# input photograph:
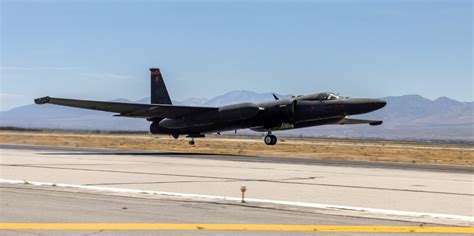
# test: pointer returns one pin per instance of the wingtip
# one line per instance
(42, 100)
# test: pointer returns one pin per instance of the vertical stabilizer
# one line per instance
(159, 94)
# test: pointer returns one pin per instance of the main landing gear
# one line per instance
(191, 142)
(270, 139)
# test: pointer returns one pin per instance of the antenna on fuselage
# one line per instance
(275, 96)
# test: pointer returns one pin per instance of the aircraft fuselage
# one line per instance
(297, 112)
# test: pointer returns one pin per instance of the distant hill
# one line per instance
(405, 117)
(414, 117)
(241, 96)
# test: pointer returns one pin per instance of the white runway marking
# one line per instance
(469, 220)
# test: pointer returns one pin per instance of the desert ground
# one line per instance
(312, 148)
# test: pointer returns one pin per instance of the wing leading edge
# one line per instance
(134, 110)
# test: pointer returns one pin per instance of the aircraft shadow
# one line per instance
(286, 160)
(139, 154)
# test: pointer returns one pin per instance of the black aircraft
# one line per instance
(279, 114)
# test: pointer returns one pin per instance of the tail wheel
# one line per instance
(191, 142)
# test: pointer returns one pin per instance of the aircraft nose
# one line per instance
(378, 103)
(363, 105)
(374, 104)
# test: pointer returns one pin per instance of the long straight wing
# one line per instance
(129, 109)
(348, 121)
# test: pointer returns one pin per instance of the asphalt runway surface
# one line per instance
(402, 187)
(45, 205)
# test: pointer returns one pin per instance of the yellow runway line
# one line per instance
(236, 227)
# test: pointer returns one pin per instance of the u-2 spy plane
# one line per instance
(278, 114)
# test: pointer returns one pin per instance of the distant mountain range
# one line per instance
(405, 117)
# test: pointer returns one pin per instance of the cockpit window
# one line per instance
(319, 97)
(326, 96)
(332, 96)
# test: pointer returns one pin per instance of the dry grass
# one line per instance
(302, 148)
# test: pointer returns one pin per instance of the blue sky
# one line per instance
(103, 49)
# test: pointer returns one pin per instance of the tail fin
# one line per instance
(159, 94)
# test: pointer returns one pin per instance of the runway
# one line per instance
(417, 188)
(45, 205)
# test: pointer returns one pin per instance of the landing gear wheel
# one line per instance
(191, 142)
(274, 141)
(270, 139)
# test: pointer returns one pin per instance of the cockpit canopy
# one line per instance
(332, 96)
(319, 97)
